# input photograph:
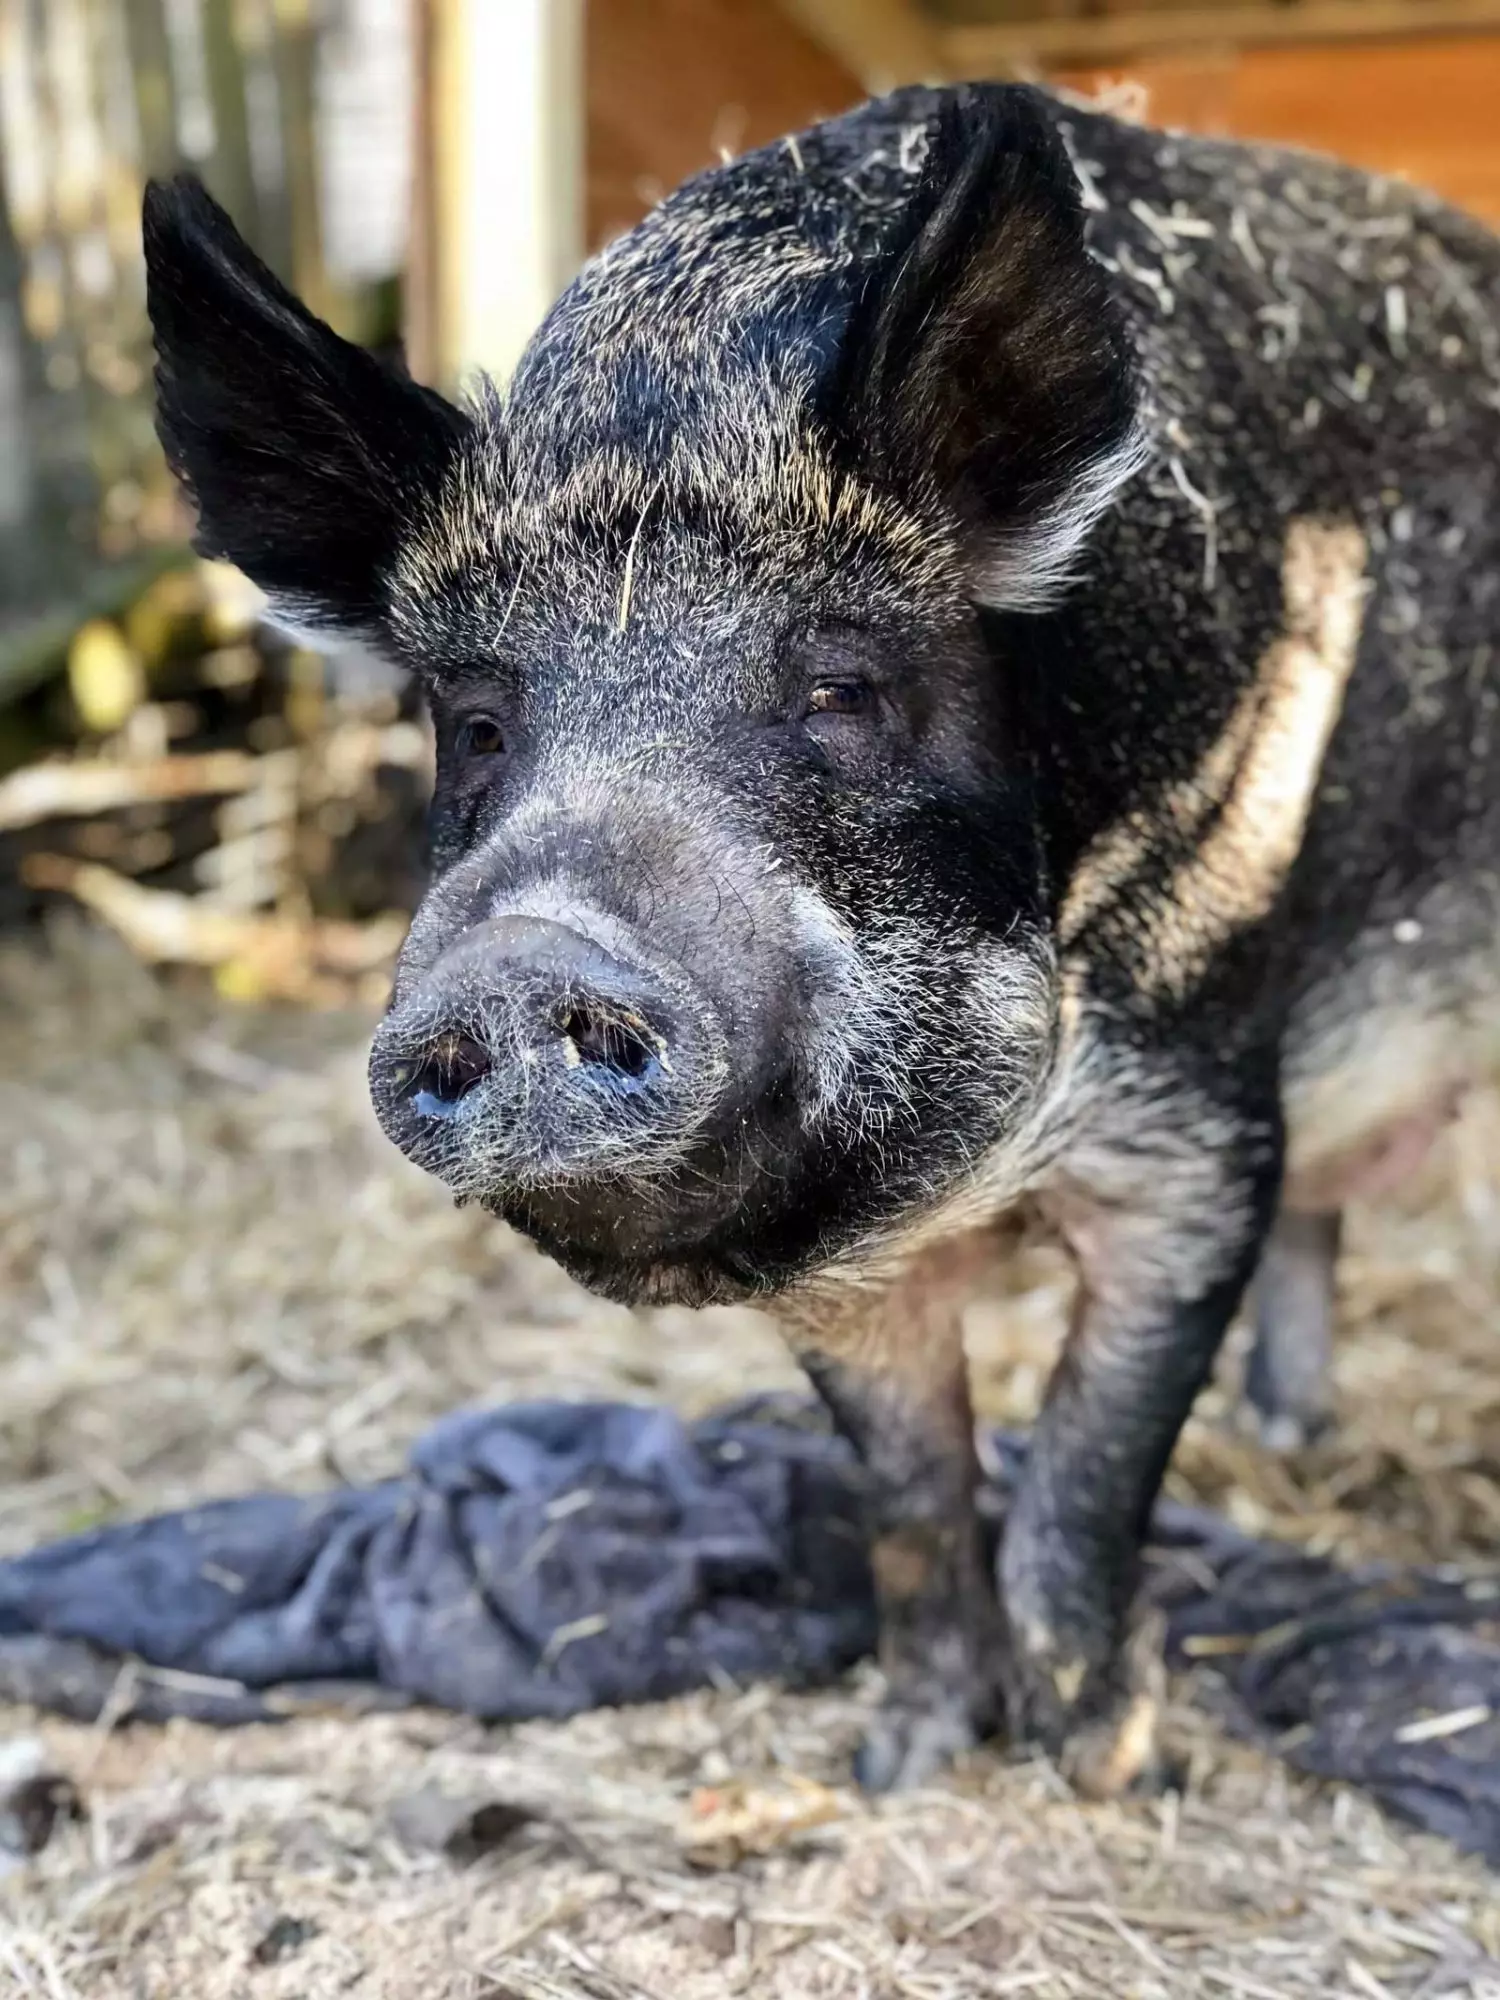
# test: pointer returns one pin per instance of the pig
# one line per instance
(963, 668)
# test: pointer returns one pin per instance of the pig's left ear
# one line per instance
(992, 364)
(307, 458)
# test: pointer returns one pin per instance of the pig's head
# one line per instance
(737, 945)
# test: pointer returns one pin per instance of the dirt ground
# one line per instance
(214, 1274)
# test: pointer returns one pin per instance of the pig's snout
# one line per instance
(531, 1053)
(561, 997)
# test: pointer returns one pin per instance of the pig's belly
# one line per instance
(1363, 1104)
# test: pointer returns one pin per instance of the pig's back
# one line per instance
(1319, 346)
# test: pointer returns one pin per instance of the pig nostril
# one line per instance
(450, 1071)
(609, 1039)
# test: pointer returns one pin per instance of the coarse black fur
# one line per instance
(250, 386)
(964, 669)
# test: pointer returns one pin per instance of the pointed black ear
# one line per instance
(307, 458)
(991, 366)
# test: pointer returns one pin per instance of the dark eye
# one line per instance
(841, 698)
(481, 736)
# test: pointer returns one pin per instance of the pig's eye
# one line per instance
(841, 698)
(481, 736)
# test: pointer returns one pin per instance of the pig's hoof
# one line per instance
(1098, 1722)
(1118, 1754)
(908, 1746)
(1286, 1432)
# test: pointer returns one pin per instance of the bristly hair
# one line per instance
(889, 335)
(891, 331)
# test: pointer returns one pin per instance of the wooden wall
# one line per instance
(1426, 107)
(671, 82)
(674, 83)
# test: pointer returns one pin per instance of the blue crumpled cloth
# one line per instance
(538, 1560)
(546, 1558)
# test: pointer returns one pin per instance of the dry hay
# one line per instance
(214, 1275)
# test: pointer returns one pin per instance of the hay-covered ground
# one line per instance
(214, 1274)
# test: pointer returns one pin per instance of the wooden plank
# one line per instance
(1012, 47)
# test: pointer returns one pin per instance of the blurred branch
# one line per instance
(271, 957)
(56, 791)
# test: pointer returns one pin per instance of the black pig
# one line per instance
(964, 669)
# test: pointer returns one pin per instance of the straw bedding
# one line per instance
(214, 1275)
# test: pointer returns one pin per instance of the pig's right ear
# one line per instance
(990, 368)
(305, 456)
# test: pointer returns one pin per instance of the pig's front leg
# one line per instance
(887, 1357)
(1164, 1256)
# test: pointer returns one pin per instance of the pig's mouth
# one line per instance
(679, 1242)
(644, 1212)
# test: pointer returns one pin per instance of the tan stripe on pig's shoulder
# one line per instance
(1252, 793)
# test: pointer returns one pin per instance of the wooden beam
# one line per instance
(1011, 47)
(882, 42)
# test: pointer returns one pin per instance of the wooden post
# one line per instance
(499, 228)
